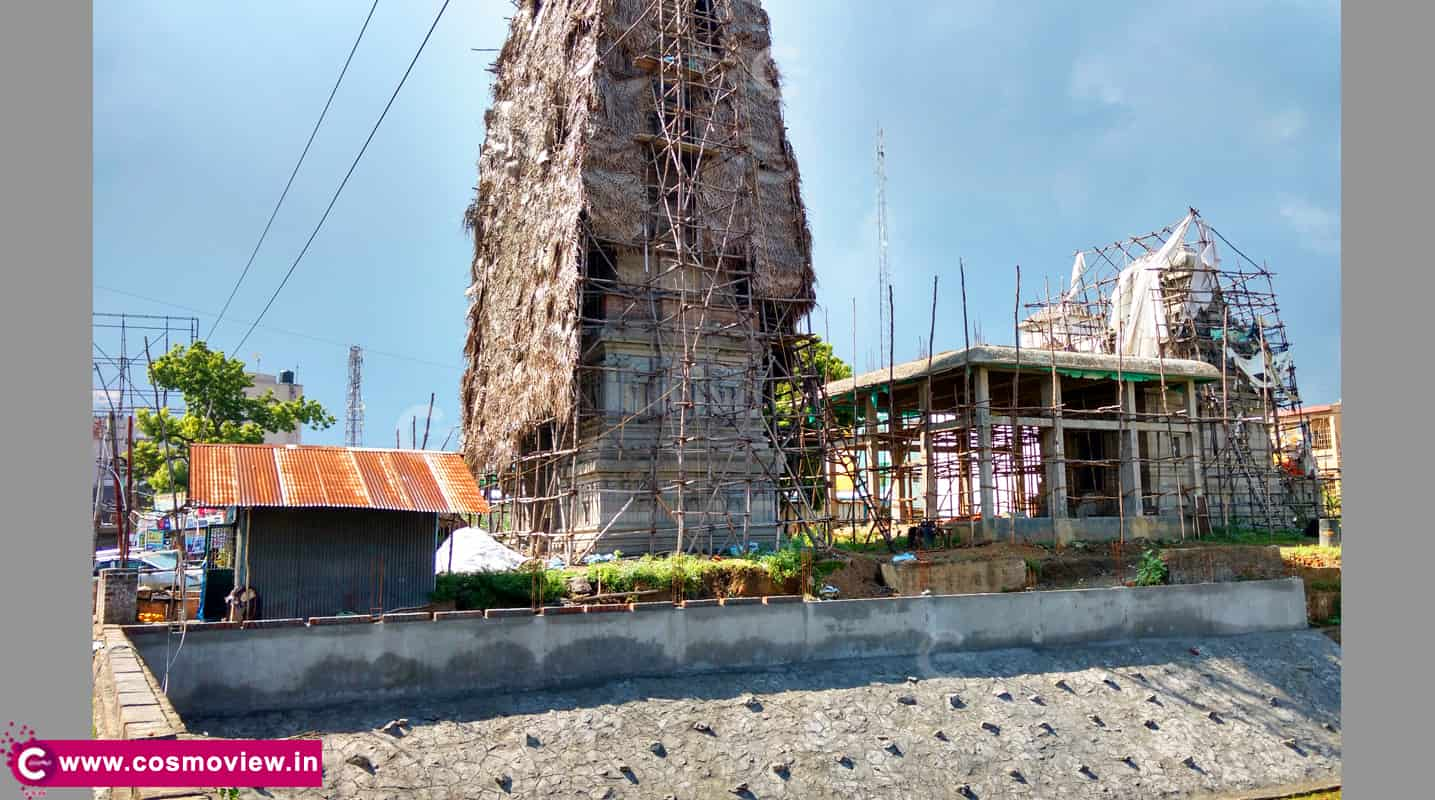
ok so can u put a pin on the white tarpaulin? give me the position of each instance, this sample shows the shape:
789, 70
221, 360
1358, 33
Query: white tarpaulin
1078, 268
1138, 314
1203, 280
1255, 368
475, 551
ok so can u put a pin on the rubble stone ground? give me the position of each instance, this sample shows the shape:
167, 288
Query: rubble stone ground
1154, 718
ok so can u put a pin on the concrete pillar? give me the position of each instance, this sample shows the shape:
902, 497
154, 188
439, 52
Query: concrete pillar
900, 478
929, 457
1019, 467
1329, 533
984, 444
1157, 446
1130, 455
1194, 441
1053, 450
118, 597
874, 475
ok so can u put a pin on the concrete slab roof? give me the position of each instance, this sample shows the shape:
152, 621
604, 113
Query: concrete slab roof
1005, 357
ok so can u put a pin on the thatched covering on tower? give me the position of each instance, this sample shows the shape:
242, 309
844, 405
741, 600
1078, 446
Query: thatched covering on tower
563, 160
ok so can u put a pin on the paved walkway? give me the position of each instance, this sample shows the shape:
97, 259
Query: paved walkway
1159, 718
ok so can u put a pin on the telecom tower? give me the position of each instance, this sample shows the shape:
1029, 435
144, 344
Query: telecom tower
884, 273
354, 420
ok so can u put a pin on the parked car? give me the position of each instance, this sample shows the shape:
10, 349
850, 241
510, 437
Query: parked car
156, 568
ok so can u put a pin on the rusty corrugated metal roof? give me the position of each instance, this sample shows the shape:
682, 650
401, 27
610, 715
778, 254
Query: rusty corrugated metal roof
300, 476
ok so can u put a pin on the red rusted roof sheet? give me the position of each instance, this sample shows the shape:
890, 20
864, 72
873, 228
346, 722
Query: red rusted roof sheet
312, 476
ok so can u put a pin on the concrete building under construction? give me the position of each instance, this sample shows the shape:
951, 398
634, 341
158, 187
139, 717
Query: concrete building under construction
641, 262
1141, 402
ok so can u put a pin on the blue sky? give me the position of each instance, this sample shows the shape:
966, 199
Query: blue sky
1016, 134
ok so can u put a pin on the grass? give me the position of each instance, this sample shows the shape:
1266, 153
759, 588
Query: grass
1251, 536
850, 539
1333, 794
648, 572
822, 569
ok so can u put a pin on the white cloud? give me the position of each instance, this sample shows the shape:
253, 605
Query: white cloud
1092, 79
1319, 228
1282, 126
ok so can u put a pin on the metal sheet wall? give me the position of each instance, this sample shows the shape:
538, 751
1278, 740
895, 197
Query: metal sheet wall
320, 562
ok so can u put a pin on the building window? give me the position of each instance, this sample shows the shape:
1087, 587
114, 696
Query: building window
1320, 436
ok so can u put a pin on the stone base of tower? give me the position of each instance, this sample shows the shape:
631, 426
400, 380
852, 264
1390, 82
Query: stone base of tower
728, 498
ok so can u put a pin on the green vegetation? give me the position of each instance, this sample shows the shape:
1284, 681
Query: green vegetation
822, 569
1325, 586
650, 572
1253, 536
1330, 493
1151, 571
216, 411
470, 591
791, 401
851, 538
484, 590
660, 572
818, 360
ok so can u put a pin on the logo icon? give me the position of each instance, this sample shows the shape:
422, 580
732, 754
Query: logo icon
30, 762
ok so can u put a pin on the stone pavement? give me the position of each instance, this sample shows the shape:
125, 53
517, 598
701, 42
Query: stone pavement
1156, 718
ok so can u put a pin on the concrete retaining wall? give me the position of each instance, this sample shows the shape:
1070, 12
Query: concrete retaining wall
127, 697
1066, 530
1222, 564
955, 577
225, 670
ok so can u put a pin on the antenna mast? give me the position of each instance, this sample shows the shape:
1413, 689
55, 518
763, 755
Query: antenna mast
884, 275
354, 421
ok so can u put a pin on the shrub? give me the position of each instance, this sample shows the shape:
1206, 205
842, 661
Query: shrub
783, 565
648, 572
1151, 571
471, 591
658, 572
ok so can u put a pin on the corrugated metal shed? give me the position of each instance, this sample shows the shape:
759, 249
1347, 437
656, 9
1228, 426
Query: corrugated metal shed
312, 476
320, 562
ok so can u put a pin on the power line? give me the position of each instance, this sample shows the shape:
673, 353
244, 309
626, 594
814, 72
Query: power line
336, 343
295, 172
347, 175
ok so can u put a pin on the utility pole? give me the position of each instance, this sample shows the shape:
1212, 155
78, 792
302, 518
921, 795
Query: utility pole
120, 534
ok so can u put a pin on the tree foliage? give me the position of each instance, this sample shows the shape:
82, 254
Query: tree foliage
794, 406
817, 360
216, 411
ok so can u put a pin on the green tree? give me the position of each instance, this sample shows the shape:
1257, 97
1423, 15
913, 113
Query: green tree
816, 360
793, 407
216, 410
